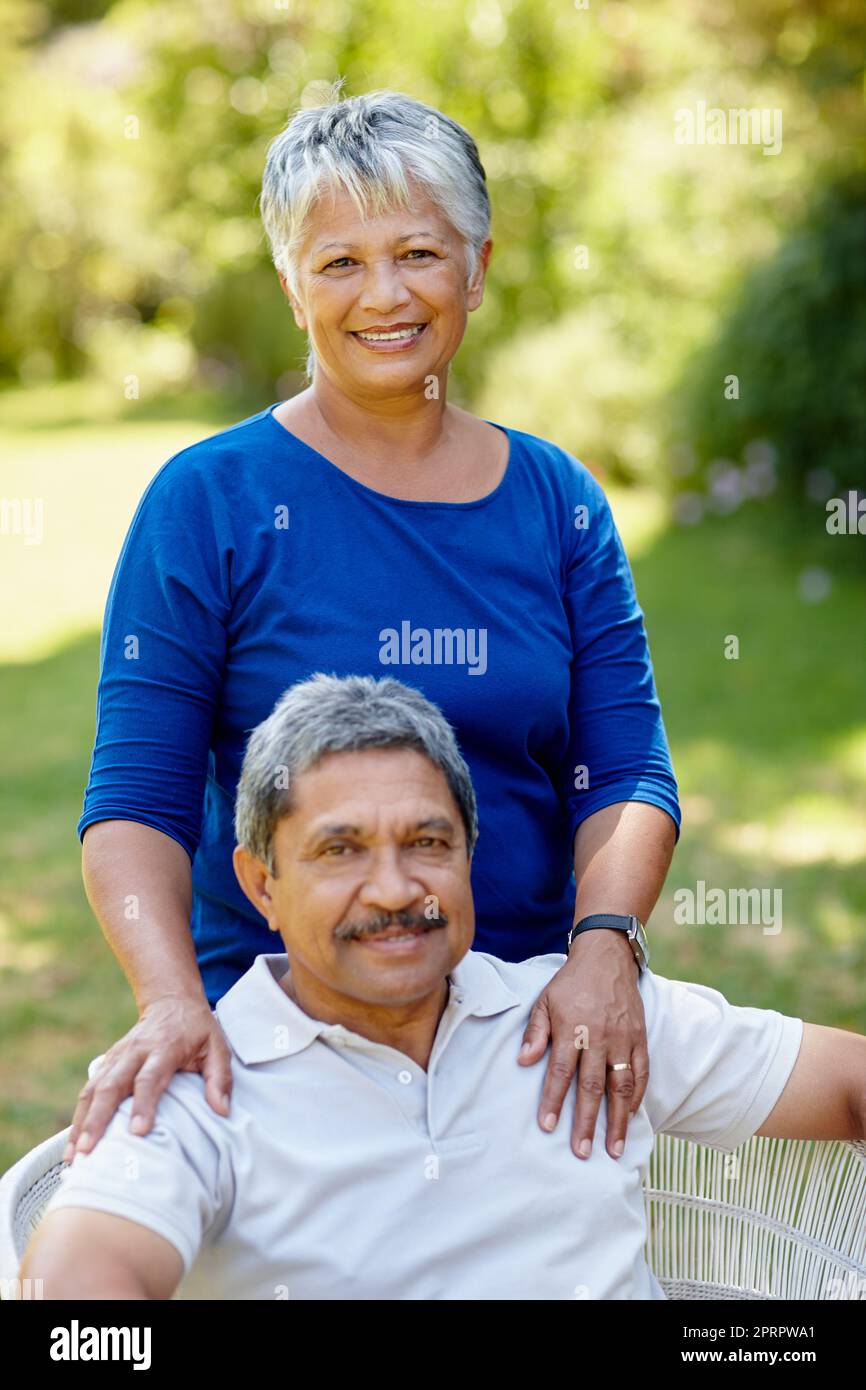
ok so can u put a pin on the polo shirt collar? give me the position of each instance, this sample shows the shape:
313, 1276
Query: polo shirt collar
264, 1025
479, 981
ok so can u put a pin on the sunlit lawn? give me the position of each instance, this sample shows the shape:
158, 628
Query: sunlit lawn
770, 750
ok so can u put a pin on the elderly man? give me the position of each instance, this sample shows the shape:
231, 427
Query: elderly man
381, 1142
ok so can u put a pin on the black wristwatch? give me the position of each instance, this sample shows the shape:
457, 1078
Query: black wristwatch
631, 925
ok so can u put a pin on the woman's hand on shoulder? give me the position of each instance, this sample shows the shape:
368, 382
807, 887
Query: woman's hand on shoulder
175, 1033
592, 1015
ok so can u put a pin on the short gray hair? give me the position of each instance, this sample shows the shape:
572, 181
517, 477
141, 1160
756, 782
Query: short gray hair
338, 714
368, 144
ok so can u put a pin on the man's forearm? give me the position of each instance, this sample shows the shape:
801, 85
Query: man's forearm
71, 1267
81, 1275
139, 884
621, 857
79, 1252
105, 1286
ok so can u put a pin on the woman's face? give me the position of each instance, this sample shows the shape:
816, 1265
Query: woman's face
400, 271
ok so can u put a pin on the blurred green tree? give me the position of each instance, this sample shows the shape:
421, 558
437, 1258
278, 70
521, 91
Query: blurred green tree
132, 146
796, 340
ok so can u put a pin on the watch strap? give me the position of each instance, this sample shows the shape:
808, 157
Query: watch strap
626, 922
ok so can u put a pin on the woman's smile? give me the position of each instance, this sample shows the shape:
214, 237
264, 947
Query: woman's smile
400, 338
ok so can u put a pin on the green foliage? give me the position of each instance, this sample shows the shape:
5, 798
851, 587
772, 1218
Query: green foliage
133, 139
796, 340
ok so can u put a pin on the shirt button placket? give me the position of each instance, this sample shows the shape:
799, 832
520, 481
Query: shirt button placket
410, 1092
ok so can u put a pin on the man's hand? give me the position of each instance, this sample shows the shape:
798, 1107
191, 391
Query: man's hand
592, 1014
176, 1033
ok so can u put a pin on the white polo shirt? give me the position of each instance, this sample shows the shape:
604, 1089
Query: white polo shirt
344, 1171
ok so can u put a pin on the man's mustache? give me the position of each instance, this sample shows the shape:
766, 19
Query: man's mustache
351, 931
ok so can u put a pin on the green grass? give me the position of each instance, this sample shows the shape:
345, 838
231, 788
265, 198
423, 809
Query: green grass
770, 753
770, 750
62, 997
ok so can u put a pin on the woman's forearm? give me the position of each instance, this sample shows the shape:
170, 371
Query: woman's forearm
621, 857
139, 884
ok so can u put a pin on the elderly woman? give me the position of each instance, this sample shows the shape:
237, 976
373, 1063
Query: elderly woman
367, 526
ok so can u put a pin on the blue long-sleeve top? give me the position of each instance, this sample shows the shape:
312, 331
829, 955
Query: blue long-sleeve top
252, 562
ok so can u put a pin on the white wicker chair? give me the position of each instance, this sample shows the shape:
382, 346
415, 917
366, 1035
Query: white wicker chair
778, 1219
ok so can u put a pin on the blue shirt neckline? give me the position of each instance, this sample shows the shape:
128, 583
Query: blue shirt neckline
385, 496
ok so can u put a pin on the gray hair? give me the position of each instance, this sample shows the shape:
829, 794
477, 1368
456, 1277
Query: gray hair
368, 144
333, 714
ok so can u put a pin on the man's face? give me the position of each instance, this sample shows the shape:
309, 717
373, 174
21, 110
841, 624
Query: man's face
373, 851
400, 268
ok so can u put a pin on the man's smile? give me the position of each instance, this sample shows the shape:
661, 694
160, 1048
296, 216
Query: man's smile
392, 936
395, 940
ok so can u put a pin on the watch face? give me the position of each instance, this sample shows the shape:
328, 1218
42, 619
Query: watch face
641, 943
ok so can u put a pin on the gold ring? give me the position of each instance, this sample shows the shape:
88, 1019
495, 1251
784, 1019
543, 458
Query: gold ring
620, 1066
